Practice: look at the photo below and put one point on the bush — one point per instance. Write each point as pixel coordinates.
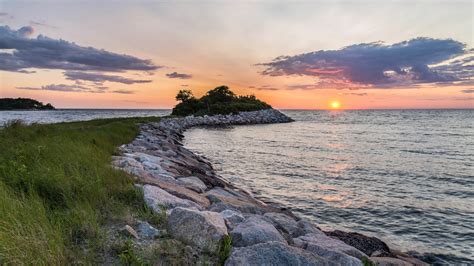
(220, 100)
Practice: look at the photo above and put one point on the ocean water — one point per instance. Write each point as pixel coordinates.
(405, 176)
(67, 115)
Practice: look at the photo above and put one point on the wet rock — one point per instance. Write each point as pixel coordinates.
(328, 243)
(193, 183)
(202, 229)
(389, 261)
(366, 244)
(157, 198)
(333, 256)
(255, 230)
(273, 253)
(128, 231)
(412, 260)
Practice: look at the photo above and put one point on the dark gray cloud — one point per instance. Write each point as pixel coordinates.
(100, 78)
(468, 91)
(75, 88)
(46, 53)
(406, 63)
(176, 75)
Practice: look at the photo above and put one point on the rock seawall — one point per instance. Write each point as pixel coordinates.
(203, 208)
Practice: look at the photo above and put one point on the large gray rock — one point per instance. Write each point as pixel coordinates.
(202, 229)
(272, 253)
(388, 261)
(337, 257)
(157, 198)
(232, 200)
(290, 226)
(253, 231)
(193, 183)
(323, 242)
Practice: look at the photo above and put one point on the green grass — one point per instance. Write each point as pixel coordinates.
(225, 249)
(57, 189)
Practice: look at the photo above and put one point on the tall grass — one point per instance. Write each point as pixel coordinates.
(57, 188)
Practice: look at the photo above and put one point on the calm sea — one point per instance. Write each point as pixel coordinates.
(67, 115)
(405, 176)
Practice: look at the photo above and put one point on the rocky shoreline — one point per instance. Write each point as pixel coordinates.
(216, 219)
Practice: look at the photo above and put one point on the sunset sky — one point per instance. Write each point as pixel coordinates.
(291, 54)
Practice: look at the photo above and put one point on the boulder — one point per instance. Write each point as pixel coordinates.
(273, 253)
(253, 231)
(202, 229)
(333, 256)
(328, 243)
(232, 218)
(184, 193)
(233, 200)
(290, 226)
(366, 244)
(156, 198)
(193, 183)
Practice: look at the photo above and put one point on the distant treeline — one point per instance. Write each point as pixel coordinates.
(23, 104)
(220, 100)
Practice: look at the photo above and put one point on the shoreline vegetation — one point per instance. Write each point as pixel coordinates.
(58, 191)
(12, 104)
(126, 191)
(220, 100)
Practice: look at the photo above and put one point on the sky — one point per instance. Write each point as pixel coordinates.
(291, 54)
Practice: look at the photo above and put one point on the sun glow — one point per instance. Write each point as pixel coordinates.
(335, 105)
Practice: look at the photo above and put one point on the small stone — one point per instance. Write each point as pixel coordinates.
(146, 231)
(232, 218)
(128, 231)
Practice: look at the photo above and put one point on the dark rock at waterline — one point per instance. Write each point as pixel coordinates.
(366, 244)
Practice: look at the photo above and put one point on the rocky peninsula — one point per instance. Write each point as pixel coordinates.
(220, 223)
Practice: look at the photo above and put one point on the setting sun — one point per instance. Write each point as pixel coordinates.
(335, 105)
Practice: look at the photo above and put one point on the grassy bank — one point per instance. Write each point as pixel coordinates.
(58, 189)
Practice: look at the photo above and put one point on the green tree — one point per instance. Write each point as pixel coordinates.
(220, 94)
(184, 95)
